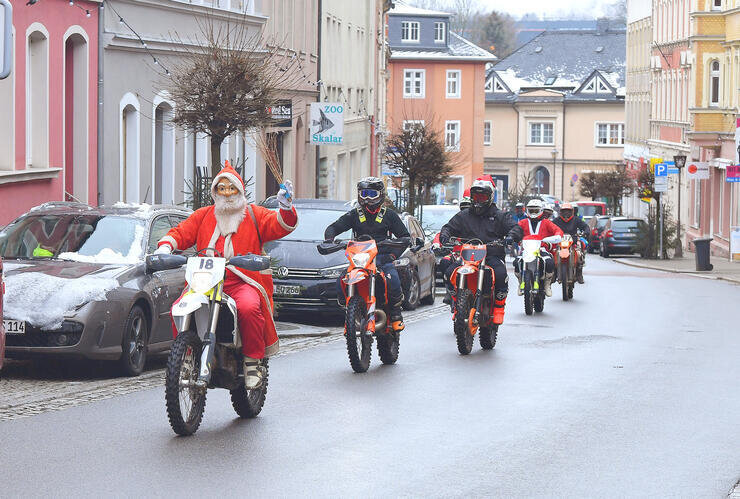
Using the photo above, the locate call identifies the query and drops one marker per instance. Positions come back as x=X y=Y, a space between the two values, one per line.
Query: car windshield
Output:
x=626 y=225
x=601 y=222
x=590 y=210
x=433 y=218
x=85 y=238
x=313 y=222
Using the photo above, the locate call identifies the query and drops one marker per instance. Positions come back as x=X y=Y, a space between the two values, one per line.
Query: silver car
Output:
x=77 y=285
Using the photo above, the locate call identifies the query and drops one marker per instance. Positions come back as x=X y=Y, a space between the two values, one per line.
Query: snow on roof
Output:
x=142 y=210
x=459 y=48
x=401 y=8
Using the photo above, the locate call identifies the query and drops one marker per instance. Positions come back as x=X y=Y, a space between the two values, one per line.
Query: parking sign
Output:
x=661 y=170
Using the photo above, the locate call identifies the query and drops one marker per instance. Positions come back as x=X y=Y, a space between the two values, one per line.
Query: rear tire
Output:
x=528 y=306
x=488 y=337
x=185 y=406
x=249 y=403
x=388 y=347
x=411 y=300
x=570 y=291
x=462 y=313
x=564 y=281
x=359 y=344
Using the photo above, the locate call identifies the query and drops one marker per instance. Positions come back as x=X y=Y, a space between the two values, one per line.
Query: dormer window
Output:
x=439 y=32
x=498 y=87
x=550 y=80
x=596 y=86
x=489 y=85
x=409 y=31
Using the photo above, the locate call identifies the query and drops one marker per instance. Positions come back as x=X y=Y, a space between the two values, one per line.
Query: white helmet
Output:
x=535 y=208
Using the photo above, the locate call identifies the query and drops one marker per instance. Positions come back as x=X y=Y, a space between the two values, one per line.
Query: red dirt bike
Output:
x=368 y=309
x=473 y=305
x=566 y=259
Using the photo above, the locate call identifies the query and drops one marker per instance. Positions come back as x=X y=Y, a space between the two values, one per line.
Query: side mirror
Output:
x=156 y=263
x=251 y=262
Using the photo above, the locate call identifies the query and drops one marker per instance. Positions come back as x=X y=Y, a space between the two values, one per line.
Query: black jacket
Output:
x=390 y=224
x=493 y=224
x=572 y=226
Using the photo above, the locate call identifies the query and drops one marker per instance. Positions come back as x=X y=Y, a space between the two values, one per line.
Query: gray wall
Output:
x=426 y=32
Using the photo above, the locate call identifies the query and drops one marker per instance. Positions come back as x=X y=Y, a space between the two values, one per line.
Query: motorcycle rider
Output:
x=519 y=212
x=446 y=260
x=484 y=221
x=547 y=210
x=571 y=224
x=371 y=218
x=234 y=227
x=536 y=224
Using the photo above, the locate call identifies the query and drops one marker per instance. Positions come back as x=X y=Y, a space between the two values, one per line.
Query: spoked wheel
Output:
x=463 y=312
x=564 y=281
x=388 y=346
x=539 y=301
x=570 y=290
x=528 y=306
x=185 y=402
x=359 y=342
x=135 y=342
x=248 y=403
x=488 y=336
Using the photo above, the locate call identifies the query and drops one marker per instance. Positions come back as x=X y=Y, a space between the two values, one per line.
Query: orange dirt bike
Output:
x=473 y=305
x=368 y=308
x=566 y=258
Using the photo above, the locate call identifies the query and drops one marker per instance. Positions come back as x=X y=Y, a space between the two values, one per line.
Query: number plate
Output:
x=283 y=290
x=14 y=327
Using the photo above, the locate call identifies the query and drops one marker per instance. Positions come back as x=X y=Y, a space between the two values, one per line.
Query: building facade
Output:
x=48 y=130
x=555 y=110
x=438 y=77
x=349 y=64
x=714 y=203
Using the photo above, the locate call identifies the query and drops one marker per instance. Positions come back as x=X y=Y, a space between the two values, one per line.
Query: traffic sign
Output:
x=661 y=170
x=661 y=183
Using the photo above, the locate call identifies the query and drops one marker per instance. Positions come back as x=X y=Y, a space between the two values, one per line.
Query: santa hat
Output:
x=231 y=174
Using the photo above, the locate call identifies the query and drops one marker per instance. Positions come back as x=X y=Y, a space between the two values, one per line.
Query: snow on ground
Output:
x=43 y=300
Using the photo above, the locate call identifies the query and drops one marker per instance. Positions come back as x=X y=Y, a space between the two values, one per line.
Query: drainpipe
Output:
x=101 y=31
x=318 y=99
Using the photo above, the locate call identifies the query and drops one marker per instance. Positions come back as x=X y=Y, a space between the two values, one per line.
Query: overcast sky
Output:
x=589 y=9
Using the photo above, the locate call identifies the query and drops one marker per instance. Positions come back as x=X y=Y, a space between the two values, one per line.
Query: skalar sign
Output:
x=327 y=123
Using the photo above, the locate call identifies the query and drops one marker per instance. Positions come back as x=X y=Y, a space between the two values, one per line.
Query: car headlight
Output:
x=333 y=272
x=200 y=282
x=401 y=262
x=361 y=259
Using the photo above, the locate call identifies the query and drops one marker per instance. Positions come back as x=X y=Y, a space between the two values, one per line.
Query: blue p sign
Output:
x=661 y=170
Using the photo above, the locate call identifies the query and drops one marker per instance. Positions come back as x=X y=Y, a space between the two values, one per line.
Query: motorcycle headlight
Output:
x=465 y=270
x=332 y=272
x=201 y=282
x=401 y=262
x=361 y=259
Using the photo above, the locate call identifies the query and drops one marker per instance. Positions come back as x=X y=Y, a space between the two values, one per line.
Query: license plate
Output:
x=283 y=290
x=14 y=327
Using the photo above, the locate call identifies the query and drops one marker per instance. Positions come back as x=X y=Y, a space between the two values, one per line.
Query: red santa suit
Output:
x=544 y=228
x=236 y=234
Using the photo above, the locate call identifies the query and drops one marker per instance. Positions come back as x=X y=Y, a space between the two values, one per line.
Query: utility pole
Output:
x=680 y=162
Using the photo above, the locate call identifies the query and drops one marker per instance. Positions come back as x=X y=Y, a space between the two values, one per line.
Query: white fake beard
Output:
x=229 y=212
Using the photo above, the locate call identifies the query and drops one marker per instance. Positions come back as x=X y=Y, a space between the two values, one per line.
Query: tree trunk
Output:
x=216 y=155
x=411 y=205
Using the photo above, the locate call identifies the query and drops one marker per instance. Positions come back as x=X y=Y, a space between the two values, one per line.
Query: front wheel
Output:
x=411 y=300
x=463 y=308
x=528 y=306
x=539 y=300
x=488 y=337
x=249 y=403
x=135 y=342
x=185 y=402
x=564 y=282
x=359 y=342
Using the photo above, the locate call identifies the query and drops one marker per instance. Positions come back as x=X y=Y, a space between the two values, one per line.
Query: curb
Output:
x=704 y=274
x=295 y=330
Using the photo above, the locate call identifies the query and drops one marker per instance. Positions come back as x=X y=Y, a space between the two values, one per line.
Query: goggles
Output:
x=534 y=211
x=566 y=213
x=480 y=197
x=369 y=193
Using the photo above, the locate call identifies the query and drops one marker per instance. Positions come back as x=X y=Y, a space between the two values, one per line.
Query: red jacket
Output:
x=200 y=229
x=545 y=228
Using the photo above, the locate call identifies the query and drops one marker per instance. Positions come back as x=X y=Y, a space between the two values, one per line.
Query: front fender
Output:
x=189 y=304
x=564 y=253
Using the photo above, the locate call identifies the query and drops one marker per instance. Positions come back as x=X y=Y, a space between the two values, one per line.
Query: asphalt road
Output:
x=631 y=390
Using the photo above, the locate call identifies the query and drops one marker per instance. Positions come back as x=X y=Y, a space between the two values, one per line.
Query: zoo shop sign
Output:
x=327 y=123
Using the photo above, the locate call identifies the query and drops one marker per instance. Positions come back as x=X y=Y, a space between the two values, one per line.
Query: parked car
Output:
x=2 y=324
x=433 y=216
x=417 y=269
x=590 y=208
x=620 y=235
x=78 y=287
x=305 y=281
x=596 y=225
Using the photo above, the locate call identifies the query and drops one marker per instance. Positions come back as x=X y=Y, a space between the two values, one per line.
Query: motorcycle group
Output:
x=223 y=322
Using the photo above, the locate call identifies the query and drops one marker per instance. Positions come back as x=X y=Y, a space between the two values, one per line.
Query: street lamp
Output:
x=554 y=153
x=680 y=162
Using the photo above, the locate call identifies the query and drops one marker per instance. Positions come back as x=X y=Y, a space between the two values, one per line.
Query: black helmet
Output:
x=481 y=196
x=371 y=193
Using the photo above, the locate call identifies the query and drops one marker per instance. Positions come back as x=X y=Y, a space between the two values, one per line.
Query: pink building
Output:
x=48 y=112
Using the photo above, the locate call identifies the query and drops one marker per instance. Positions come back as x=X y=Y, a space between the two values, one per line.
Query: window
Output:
x=439 y=32
x=452 y=136
x=489 y=85
x=498 y=87
x=541 y=134
x=453 y=84
x=716 y=4
x=160 y=227
x=550 y=80
x=409 y=31
x=37 y=100
x=409 y=124
x=596 y=85
x=610 y=134
x=714 y=84
x=487 y=133
x=697 y=203
x=413 y=83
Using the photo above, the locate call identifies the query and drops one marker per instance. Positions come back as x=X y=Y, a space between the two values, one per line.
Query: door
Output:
x=424 y=262
x=166 y=284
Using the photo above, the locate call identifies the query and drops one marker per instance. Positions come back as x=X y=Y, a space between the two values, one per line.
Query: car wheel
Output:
x=411 y=300
x=135 y=342
x=429 y=300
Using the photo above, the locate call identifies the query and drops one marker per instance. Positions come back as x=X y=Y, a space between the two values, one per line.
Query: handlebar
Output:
x=456 y=241
x=328 y=247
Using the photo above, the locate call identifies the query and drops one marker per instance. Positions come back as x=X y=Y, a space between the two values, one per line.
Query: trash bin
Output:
x=701 y=246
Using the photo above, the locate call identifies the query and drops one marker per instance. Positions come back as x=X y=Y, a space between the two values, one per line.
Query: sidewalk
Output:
x=295 y=330
x=723 y=269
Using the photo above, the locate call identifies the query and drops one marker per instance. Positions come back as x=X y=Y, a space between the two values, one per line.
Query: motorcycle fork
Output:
x=209 y=341
x=371 y=309
x=479 y=294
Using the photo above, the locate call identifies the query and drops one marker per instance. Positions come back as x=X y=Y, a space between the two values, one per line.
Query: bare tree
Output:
x=228 y=82
x=521 y=191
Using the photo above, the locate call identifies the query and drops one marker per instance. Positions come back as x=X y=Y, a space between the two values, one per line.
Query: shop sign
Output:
x=282 y=114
